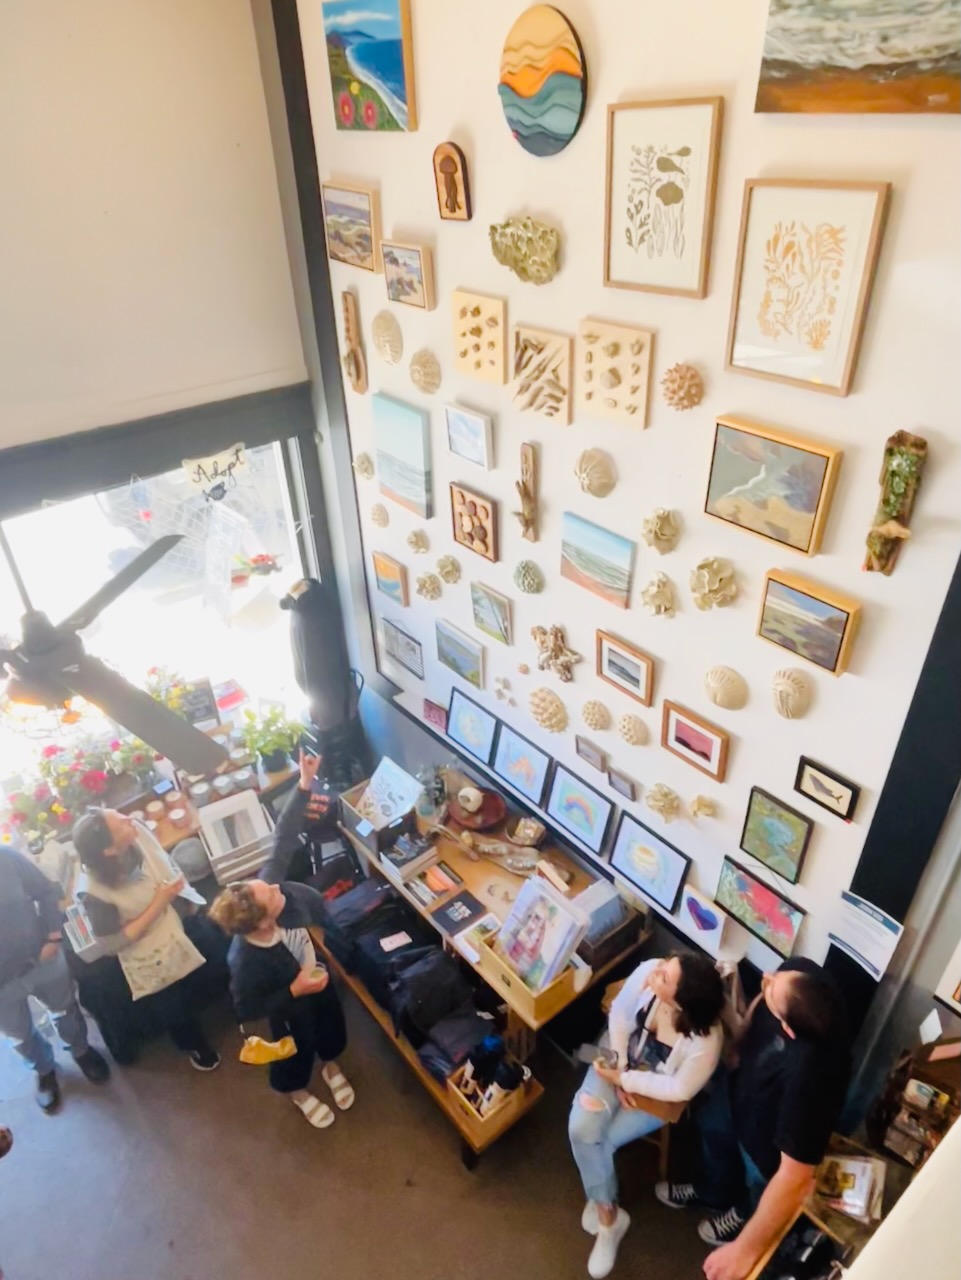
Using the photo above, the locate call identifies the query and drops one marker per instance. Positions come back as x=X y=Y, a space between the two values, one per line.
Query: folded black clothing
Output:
x=457 y=1034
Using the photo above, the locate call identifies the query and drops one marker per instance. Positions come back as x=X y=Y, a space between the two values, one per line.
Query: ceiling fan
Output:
x=49 y=666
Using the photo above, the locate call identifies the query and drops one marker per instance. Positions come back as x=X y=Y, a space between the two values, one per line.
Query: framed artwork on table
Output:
x=579 y=809
x=402 y=437
x=471 y=726
x=776 y=834
x=492 y=613
x=809 y=621
x=352 y=225
x=622 y=784
x=470 y=435
x=697 y=741
x=391 y=578
x=404 y=649
x=464 y=656
x=521 y=764
x=826 y=788
x=370 y=56
x=595 y=558
x=408 y=274
x=232 y=822
x=625 y=667
x=701 y=919
x=805 y=266
x=594 y=756
x=649 y=863
x=771 y=483
x=759 y=908
x=659 y=205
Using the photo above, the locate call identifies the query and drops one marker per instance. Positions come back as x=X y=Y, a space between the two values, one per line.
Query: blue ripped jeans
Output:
x=596 y=1134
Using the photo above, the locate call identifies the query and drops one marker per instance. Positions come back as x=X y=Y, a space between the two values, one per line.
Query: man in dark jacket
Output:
x=32 y=963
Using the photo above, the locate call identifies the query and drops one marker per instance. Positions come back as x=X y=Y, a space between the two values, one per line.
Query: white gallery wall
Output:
x=906 y=379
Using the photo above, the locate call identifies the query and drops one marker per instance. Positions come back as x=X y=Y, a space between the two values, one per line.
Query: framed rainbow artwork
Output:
x=583 y=812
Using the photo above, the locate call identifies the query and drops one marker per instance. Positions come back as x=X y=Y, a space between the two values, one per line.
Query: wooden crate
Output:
x=621 y=937
x=534 y=1007
x=508 y=1111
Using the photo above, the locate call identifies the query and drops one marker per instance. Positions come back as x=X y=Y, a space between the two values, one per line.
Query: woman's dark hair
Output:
x=92 y=839
x=700 y=995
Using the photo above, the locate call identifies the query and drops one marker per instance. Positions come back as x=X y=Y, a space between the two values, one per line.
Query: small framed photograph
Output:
x=622 y=784
x=697 y=741
x=521 y=764
x=352 y=225
x=762 y=910
x=470 y=435
x=435 y=714
x=776 y=834
x=492 y=613
x=809 y=621
x=649 y=863
x=582 y=812
x=391 y=578
x=826 y=788
x=471 y=726
x=625 y=667
x=408 y=274
x=461 y=654
x=403 y=649
x=594 y=756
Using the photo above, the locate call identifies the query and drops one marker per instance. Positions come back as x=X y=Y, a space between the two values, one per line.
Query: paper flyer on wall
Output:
x=865 y=933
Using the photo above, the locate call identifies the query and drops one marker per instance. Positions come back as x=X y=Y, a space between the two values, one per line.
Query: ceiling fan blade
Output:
x=14 y=571
x=118 y=584
x=142 y=715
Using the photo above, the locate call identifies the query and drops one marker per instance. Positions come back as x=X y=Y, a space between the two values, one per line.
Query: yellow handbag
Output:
x=258 y=1052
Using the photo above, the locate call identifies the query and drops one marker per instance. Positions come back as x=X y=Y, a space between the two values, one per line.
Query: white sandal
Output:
x=340 y=1087
x=316 y=1112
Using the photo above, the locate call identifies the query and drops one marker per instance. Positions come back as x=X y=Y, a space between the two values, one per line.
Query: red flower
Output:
x=370 y=114
x=76 y=766
x=345 y=105
x=95 y=781
x=18 y=817
x=65 y=818
x=42 y=792
x=137 y=757
x=14 y=799
x=115 y=745
x=49 y=752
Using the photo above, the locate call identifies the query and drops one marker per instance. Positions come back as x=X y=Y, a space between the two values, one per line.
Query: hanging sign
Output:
x=216 y=475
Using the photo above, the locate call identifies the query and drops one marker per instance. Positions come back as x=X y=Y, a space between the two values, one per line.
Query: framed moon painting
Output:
x=649 y=863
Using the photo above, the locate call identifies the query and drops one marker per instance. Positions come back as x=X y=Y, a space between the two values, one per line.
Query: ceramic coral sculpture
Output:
x=379 y=515
x=528 y=578
x=428 y=586
x=661 y=530
x=449 y=569
x=595 y=715
x=658 y=596
x=553 y=652
x=663 y=801
x=632 y=729
x=682 y=386
x=417 y=541
x=548 y=710
x=713 y=584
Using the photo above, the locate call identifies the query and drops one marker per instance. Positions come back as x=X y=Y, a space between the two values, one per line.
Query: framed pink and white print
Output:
x=697 y=741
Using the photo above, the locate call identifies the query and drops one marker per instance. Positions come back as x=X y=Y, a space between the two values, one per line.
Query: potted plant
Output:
x=272 y=737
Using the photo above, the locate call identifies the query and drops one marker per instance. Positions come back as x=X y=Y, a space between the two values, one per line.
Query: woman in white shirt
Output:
x=665 y=1028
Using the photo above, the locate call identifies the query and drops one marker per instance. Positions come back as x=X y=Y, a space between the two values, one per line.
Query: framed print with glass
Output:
x=594 y=756
x=649 y=863
x=471 y=726
x=579 y=809
x=622 y=784
x=762 y=910
x=827 y=788
x=625 y=667
x=697 y=741
x=776 y=834
x=521 y=764
x=391 y=577
x=404 y=649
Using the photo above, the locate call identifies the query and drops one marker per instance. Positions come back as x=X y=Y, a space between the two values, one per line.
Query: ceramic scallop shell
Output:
x=387 y=337
x=792 y=693
x=595 y=715
x=726 y=688
x=595 y=472
x=379 y=515
x=632 y=729
x=548 y=710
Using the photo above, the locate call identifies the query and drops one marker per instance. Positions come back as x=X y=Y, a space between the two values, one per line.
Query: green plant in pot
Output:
x=272 y=737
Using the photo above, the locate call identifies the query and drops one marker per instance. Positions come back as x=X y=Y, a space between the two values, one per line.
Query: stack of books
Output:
x=407 y=856
x=919 y=1123
x=854 y=1185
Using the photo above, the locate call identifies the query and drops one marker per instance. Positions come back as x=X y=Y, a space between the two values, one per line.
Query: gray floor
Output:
x=166 y=1174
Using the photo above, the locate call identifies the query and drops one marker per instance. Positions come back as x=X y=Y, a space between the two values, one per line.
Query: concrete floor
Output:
x=167 y=1174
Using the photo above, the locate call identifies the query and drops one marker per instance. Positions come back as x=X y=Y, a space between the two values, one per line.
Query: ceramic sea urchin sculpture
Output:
x=792 y=693
x=425 y=371
x=726 y=688
x=595 y=473
x=658 y=596
x=548 y=710
x=528 y=578
x=682 y=386
x=595 y=715
x=387 y=337
x=713 y=583
x=663 y=801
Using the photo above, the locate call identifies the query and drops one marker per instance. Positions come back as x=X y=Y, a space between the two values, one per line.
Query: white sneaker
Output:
x=604 y=1254
x=589 y=1219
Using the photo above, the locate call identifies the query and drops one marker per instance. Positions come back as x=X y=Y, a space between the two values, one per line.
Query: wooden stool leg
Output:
x=665 y=1152
x=519 y=1038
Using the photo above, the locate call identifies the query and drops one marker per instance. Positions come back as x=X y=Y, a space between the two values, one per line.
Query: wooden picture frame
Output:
x=633 y=675
x=766 y=815
x=403 y=649
x=694 y=740
x=474 y=521
x=771 y=917
x=390 y=578
x=472 y=727
x=761 y=478
x=452 y=183
x=521 y=764
x=799 y=251
x=408 y=274
x=826 y=788
x=828 y=639
x=684 y=133
x=579 y=809
x=623 y=785
x=649 y=863
x=352 y=224
x=594 y=756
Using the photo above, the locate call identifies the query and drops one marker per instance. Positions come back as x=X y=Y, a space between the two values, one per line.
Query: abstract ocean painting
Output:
x=402 y=436
x=866 y=56
x=543 y=81
x=767 y=915
x=776 y=834
x=597 y=559
x=370 y=55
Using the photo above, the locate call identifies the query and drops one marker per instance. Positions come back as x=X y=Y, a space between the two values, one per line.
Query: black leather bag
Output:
x=424 y=992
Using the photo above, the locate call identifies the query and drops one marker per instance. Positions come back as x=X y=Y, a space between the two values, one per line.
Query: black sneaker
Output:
x=48 y=1091
x=204 y=1059
x=94 y=1066
x=678 y=1195
x=722 y=1228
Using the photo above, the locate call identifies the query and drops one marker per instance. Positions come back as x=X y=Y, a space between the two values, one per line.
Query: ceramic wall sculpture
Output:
x=387 y=337
x=541 y=373
x=595 y=472
x=355 y=366
x=480 y=336
x=682 y=387
x=543 y=80
x=713 y=584
x=661 y=530
x=379 y=515
x=553 y=652
x=526 y=488
x=901 y=471
x=448 y=567
x=658 y=596
x=663 y=801
x=531 y=249
x=792 y=693
x=595 y=715
x=633 y=730
x=528 y=578
x=726 y=688
x=475 y=521
x=418 y=542
x=702 y=807
x=452 y=183
x=364 y=466
x=548 y=710
x=425 y=371
x=613 y=371
x=428 y=586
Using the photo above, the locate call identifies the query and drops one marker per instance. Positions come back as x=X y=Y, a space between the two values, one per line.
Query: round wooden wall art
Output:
x=543 y=80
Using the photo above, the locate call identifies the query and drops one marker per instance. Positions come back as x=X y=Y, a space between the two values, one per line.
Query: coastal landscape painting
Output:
x=861 y=56
x=762 y=911
x=352 y=225
x=597 y=559
x=470 y=435
x=808 y=621
x=408 y=274
x=402 y=436
x=371 y=59
x=391 y=578
x=543 y=81
x=464 y=656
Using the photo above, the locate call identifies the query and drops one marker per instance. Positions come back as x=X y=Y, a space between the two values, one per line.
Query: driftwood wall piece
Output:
x=904 y=458
x=527 y=491
x=355 y=366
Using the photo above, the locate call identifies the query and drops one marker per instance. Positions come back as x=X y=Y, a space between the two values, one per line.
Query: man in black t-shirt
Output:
x=765 y=1122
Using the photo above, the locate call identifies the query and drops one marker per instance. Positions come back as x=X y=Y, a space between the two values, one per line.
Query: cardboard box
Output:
x=362 y=830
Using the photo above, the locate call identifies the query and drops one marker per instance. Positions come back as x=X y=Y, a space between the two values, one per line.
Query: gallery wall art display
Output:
x=435 y=714
x=370 y=54
x=948 y=990
x=827 y=788
x=521 y=764
x=701 y=919
x=760 y=909
x=622 y=784
x=805 y=266
x=877 y=56
x=649 y=863
x=452 y=182
x=772 y=483
x=474 y=521
x=404 y=649
x=541 y=368
x=402 y=437
x=543 y=80
x=595 y=558
x=480 y=336
x=528 y=247
x=391 y=578
x=625 y=667
x=471 y=726
x=464 y=656
x=583 y=812
x=408 y=274
x=614 y=371
x=776 y=834
x=661 y=183
x=809 y=621
x=352 y=225
x=697 y=741
x=470 y=435
x=587 y=750
x=492 y=613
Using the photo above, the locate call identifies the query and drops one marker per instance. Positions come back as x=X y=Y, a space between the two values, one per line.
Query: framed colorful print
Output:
x=391 y=578
x=452 y=183
x=470 y=435
x=471 y=726
x=701 y=919
x=948 y=990
x=542 y=368
x=776 y=834
x=594 y=756
x=474 y=521
x=408 y=274
x=402 y=437
x=435 y=714
x=661 y=182
x=809 y=621
x=492 y=613
x=521 y=764
x=771 y=483
x=697 y=741
x=404 y=649
x=828 y=789
x=805 y=266
x=579 y=809
x=625 y=667
x=464 y=656
x=352 y=225
x=597 y=559
x=765 y=913
x=649 y=863
x=370 y=54
x=622 y=784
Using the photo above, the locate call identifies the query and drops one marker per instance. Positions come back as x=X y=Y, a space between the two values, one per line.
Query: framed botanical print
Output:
x=661 y=182
x=697 y=741
x=404 y=649
x=521 y=764
x=649 y=863
x=391 y=578
x=809 y=621
x=579 y=809
x=805 y=265
x=352 y=225
x=826 y=788
x=762 y=910
x=471 y=726
x=776 y=834
x=625 y=667
x=408 y=274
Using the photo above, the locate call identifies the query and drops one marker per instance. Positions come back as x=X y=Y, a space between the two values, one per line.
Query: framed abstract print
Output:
x=762 y=910
x=776 y=834
x=471 y=726
x=809 y=621
x=521 y=764
x=649 y=863
x=697 y=741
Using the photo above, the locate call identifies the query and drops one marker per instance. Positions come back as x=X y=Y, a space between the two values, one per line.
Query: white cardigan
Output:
x=689 y=1065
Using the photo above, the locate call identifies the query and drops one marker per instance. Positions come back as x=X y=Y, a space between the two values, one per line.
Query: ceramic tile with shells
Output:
x=614 y=370
x=480 y=336
x=541 y=368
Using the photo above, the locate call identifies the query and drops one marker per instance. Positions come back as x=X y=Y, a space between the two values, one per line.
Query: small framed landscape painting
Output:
x=402 y=437
x=471 y=726
x=579 y=809
x=776 y=834
x=404 y=649
x=408 y=274
x=492 y=613
x=391 y=578
x=649 y=863
x=771 y=483
x=470 y=435
x=594 y=756
x=521 y=764
x=697 y=741
x=828 y=789
x=764 y=912
x=370 y=54
x=701 y=919
x=352 y=225
x=594 y=558
x=625 y=667
x=809 y=621
x=464 y=656
x=622 y=784
x=805 y=266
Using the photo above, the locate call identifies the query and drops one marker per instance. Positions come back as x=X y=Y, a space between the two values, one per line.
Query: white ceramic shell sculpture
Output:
x=726 y=688
x=449 y=569
x=713 y=583
x=702 y=807
x=425 y=371
x=387 y=337
x=663 y=801
x=548 y=710
x=428 y=586
x=364 y=466
x=528 y=578
x=379 y=515
x=595 y=472
x=417 y=541
x=661 y=530
x=682 y=386
x=792 y=693
x=658 y=596
x=595 y=715
x=633 y=730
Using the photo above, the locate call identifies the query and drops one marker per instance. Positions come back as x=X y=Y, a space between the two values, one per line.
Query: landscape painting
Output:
x=464 y=656
x=761 y=910
x=594 y=558
x=649 y=863
x=543 y=81
x=776 y=834
x=492 y=612
x=864 y=56
x=403 y=649
x=391 y=578
x=402 y=436
x=521 y=764
x=408 y=274
x=579 y=809
x=469 y=435
x=371 y=59
x=815 y=628
x=352 y=225
x=625 y=667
